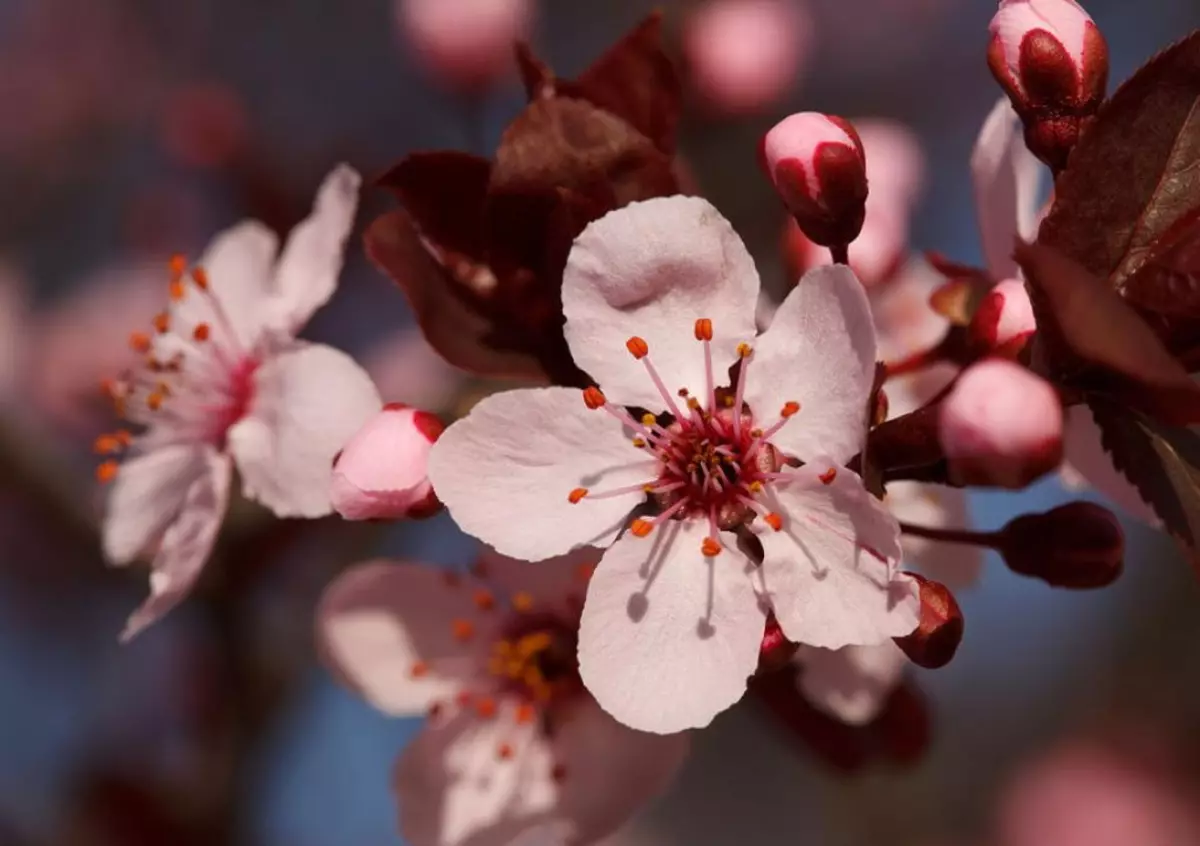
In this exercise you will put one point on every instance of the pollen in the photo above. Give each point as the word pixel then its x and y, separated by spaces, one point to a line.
pixel 576 495
pixel 154 401
pixel 640 528
pixel 463 629
pixel 710 547
pixel 484 600
pixel 775 521
pixel 789 408
pixel 108 444
pixel 504 751
pixel 638 348
pixel 649 419
pixel 485 707
pixel 162 322
pixel 593 398
pixel 704 329
pixel 106 472
pixel 522 601
pixel 744 350
pixel 200 277
pixel 201 332
pixel 176 290
pixel 639 442
pixel 525 713
pixel 828 476
pixel 139 342
pixel 177 265
pixel 419 670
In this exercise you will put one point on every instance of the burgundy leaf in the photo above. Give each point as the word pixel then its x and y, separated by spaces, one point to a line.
pixel 536 76
pixel 1168 283
pixel 444 194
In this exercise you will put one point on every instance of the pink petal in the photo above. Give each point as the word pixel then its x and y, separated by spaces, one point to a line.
pixel 238 266
pixel 652 269
pixel 381 472
pixel 186 544
pixel 146 498
pixel 831 571
pixel 308 269
pixel 505 472
pixel 407 369
pixel 387 631
pixel 557 584
pixel 668 637
pixel 820 352
pixel 308 400
pixel 853 683
pixel 1006 177
pixel 939 507
pixel 1086 456
pixel 895 163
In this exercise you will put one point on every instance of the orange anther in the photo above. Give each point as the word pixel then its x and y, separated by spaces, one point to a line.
pixel 419 670
pixel 828 476
pixel 710 547
pixel 463 629
pixel 200 277
pixel 108 444
pixel 576 495
pixel 648 419
pixel 106 472
pixel 201 332
pixel 522 601
pixel 484 600
pixel 123 436
pixel 176 290
pixel 178 266
pixel 639 442
pixel 504 751
pixel 525 713
pixel 162 322
pixel 154 401
pixel 638 348
pixel 485 706
pixel 775 521
pixel 640 528
pixel 744 350
pixel 789 408
pixel 139 342
pixel 463 698
pixel 593 398
pixel 703 329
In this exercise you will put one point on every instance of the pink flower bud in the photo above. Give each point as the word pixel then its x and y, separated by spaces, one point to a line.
pixel 1052 62
pixel 1077 545
pixel 1000 425
pixel 817 165
pixel 939 632
pixel 1004 321
pixel 381 472
pixel 745 54
pixel 465 43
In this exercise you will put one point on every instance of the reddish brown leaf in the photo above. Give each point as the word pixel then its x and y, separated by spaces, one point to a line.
pixel 536 76
pixel 1092 339
pixel 1168 283
pixel 1136 171
pixel 444 194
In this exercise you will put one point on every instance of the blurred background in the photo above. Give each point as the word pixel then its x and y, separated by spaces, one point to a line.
pixel 134 129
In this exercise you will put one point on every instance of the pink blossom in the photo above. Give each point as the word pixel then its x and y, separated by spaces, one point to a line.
pixel 223 381
pixel 745 55
pixel 1001 425
pixel 1064 21
pixel 661 295
pixel 407 369
pixel 907 325
pixel 514 750
pixel 1004 320
pixel 466 43
pixel 381 472
pixel 851 684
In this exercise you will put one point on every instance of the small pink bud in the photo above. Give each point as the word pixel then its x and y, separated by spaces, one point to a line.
pixel 1077 545
pixel 1004 321
pixel 817 165
pixel 381 473
pixel 940 629
pixel 465 43
pixel 745 54
pixel 1000 425
pixel 1052 61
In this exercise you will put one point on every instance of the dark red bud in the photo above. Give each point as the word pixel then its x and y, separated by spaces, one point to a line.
pixel 776 650
pixel 1077 545
pixel 940 629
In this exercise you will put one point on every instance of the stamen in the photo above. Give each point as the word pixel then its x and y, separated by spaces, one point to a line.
pixel 106 472
pixel 710 548
pixel 576 495
pixel 744 351
pixel 201 332
pixel 704 332
pixel 525 713
pixel 704 329
pixel 504 751
pixel 485 707
pixel 139 342
pixel 200 277
pixel 662 389
pixel 108 444
pixel 828 476
pixel 637 347
pixel 162 322
pixel 789 408
pixel 774 520
pixel 593 398
pixel 522 601
pixel 639 528
pixel 463 629
pixel 419 670
pixel 484 600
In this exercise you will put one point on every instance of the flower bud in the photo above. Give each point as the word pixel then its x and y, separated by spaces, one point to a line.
pixel 776 650
pixel 940 629
pixel 381 472
pixel 1000 425
pixel 1077 545
pixel 1052 61
pixel 465 43
pixel 817 165
pixel 1004 321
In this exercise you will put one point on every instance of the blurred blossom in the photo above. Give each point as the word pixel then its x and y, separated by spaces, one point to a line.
pixel 203 125
pixel 464 43
pixel 407 369
pixel 745 55
pixel 851 684
pixel 14 333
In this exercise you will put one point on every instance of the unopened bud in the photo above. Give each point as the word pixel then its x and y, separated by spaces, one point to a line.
pixel 1052 61
pixel 817 165
pixel 1004 321
pixel 1077 545
pixel 381 473
pixel 776 650
pixel 940 629
pixel 1000 426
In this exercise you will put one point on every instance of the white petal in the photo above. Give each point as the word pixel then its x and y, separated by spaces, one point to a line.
pixel 455 790
pixel 610 771
pixel 1006 177
pixel 853 683
pixel 652 269
pixel 669 637
pixel 820 352
pixel 186 544
pixel 1087 456
pixel 238 266
pixel 146 497
pixel 939 507
pixel 308 269
pixel 831 572
pixel 379 620
pixel 308 400
pixel 505 470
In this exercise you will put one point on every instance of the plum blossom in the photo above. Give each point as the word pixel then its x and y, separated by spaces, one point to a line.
pixel 851 684
pixel 223 380
pixel 514 750
pixel 660 304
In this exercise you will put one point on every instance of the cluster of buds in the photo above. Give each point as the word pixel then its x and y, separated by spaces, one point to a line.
pixel 1052 61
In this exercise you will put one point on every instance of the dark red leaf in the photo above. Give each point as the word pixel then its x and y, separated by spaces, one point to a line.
pixel 536 76
pixel 444 194
pixel 1135 173
pixel 1168 283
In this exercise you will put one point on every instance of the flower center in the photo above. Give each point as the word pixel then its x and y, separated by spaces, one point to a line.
pixel 537 659
pixel 711 460
pixel 195 377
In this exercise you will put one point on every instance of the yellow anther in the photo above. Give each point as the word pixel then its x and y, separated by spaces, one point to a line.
pixel 648 419
pixel 744 350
